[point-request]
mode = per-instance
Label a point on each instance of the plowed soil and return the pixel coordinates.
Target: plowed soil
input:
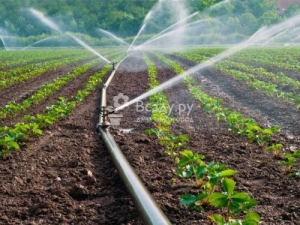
(66, 175)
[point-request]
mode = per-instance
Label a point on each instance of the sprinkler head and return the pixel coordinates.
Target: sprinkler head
(114, 65)
(105, 111)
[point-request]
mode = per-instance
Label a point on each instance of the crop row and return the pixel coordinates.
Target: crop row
(284, 58)
(267, 88)
(12, 108)
(256, 78)
(11, 78)
(33, 57)
(280, 58)
(244, 126)
(209, 177)
(263, 74)
(10, 137)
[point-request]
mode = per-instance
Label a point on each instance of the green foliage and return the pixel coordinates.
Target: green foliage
(234, 202)
(290, 160)
(275, 149)
(125, 17)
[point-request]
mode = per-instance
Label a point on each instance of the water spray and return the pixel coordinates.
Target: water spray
(113, 36)
(261, 35)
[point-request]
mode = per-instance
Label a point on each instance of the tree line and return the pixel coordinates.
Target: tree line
(124, 17)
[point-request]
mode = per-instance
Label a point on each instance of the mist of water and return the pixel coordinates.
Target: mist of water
(113, 36)
(140, 31)
(55, 27)
(45, 20)
(173, 32)
(260, 36)
(218, 4)
(273, 38)
(3, 42)
(172, 26)
(40, 41)
(87, 47)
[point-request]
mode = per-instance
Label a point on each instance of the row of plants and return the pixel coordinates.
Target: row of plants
(212, 179)
(12, 108)
(30, 67)
(20, 58)
(12, 137)
(257, 78)
(263, 74)
(280, 58)
(267, 88)
(237, 123)
(11, 79)
(244, 126)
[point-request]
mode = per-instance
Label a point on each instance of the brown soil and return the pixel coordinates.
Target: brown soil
(66, 176)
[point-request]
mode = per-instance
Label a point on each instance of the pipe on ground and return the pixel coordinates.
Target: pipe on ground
(150, 213)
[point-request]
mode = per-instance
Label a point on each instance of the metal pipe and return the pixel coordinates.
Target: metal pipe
(115, 67)
(149, 210)
(102, 104)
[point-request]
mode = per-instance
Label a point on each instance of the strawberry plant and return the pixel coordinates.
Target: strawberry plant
(290, 160)
(275, 149)
(235, 203)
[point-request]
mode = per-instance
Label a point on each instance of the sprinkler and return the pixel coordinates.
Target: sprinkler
(104, 112)
(114, 64)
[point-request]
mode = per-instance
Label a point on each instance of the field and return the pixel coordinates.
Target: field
(240, 116)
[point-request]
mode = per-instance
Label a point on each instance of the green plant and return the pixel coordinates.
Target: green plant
(251, 218)
(290, 160)
(190, 165)
(234, 202)
(275, 149)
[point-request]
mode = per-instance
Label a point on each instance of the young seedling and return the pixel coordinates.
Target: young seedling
(207, 176)
(190, 165)
(275, 149)
(290, 160)
(251, 218)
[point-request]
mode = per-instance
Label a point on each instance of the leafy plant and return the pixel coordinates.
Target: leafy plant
(275, 149)
(290, 160)
(251, 218)
(234, 202)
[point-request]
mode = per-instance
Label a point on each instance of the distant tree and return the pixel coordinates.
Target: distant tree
(269, 18)
(233, 25)
(292, 10)
(249, 23)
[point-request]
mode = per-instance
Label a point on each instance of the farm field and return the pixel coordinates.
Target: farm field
(242, 112)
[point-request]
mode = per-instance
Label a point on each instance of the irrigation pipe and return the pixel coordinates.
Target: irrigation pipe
(150, 212)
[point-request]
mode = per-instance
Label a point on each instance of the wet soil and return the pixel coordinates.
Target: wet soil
(66, 176)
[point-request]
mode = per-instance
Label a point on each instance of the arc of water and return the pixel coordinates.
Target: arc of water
(113, 36)
(260, 35)
(273, 38)
(88, 47)
(175, 24)
(45, 39)
(53, 26)
(45, 20)
(174, 31)
(142, 28)
(4, 45)
(147, 18)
